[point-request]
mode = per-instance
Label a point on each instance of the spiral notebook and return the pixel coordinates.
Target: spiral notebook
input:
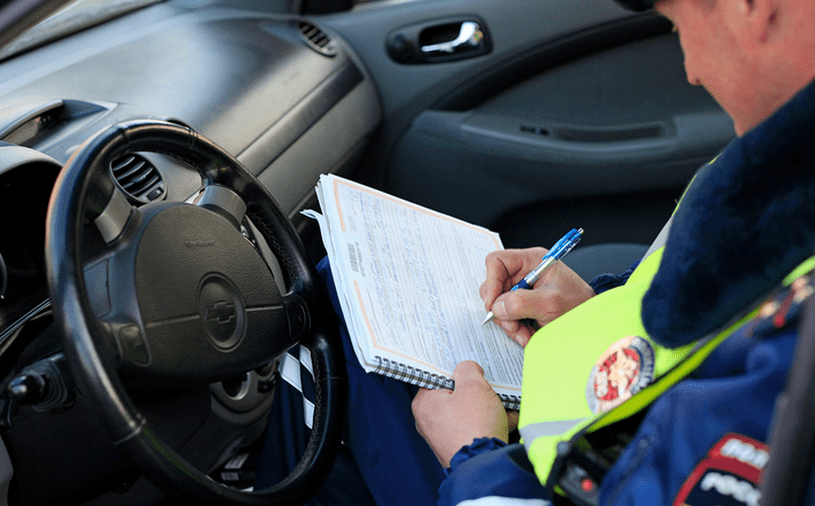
(407, 279)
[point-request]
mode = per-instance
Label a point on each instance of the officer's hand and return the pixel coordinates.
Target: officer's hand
(449, 420)
(556, 292)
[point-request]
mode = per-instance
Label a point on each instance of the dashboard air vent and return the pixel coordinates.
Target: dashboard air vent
(317, 39)
(138, 178)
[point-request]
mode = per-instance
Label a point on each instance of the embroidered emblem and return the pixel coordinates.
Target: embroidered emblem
(624, 369)
(729, 474)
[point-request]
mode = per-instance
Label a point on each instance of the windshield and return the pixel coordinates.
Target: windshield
(73, 17)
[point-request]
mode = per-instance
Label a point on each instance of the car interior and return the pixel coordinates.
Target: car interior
(155, 157)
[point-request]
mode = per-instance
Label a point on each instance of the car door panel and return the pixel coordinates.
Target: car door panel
(619, 122)
(568, 113)
(408, 89)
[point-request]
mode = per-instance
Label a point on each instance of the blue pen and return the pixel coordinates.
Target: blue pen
(558, 251)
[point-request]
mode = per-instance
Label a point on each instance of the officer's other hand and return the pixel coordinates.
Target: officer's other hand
(556, 292)
(449, 420)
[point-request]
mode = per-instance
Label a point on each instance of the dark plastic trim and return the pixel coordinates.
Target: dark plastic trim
(527, 64)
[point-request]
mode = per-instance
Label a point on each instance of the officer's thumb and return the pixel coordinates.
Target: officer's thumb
(468, 373)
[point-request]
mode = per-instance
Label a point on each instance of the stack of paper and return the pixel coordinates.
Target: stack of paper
(408, 281)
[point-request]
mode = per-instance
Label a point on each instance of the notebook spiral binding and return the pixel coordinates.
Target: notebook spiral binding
(425, 379)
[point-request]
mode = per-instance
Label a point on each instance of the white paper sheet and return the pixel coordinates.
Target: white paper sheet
(408, 279)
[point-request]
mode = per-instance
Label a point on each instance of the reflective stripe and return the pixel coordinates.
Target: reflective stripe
(661, 239)
(494, 500)
(533, 431)
(291, 371)
(305, 360)
(308, 413)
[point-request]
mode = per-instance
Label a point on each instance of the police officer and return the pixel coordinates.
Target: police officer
(661, 390)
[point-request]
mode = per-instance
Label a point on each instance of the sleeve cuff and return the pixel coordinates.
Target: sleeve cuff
(603, 282)
(477, 447)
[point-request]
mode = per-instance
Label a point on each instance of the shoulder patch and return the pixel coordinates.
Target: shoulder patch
(625, 368)
(728, 475)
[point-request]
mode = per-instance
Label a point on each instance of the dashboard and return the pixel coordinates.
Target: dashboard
(284, 96)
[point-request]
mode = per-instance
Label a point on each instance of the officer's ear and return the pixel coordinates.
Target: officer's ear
(753, 21)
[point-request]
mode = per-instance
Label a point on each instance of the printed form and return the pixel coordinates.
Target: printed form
(408, 280)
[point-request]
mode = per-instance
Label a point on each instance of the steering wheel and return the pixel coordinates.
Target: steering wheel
(180, 295)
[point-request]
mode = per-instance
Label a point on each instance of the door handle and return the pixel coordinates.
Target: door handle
(439, 41)
(470, 37)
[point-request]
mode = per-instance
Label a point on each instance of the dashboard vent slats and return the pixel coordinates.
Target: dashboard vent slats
(138, 178)
(317, 39)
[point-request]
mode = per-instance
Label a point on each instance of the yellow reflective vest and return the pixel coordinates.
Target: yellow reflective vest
(596, 365)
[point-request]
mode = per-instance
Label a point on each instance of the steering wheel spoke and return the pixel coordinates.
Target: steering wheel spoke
(113, 219)
(222, 200)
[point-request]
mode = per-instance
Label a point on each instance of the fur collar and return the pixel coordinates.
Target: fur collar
(745, 222)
